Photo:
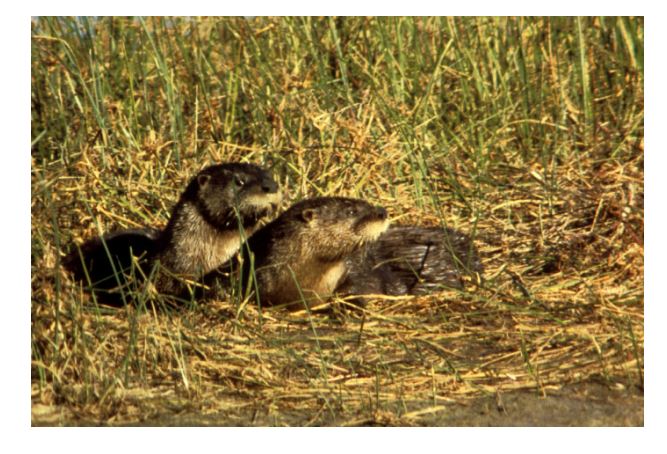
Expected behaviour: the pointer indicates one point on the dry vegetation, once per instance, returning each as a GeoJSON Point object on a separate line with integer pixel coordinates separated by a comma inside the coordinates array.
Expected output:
{"type": "Point", "coordinates": [527, 133]}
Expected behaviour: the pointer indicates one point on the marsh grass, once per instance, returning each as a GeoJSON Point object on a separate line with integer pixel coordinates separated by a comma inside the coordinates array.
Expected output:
{"type": "Point", "coordinates": [525, 132]}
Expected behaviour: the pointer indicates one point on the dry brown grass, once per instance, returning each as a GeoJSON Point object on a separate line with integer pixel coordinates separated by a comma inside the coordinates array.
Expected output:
{"type": "Point", "coordinates": [562, 303]}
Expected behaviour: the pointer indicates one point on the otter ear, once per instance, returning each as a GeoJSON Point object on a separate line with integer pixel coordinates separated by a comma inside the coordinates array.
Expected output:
{"type": "Point", "coordinates": [308, 215]}
{"type": "Point", "coordinates": [203, 180]}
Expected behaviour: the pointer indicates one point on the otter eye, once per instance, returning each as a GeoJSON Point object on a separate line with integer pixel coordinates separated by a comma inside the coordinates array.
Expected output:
{"type": "Point", "coordinates": [238, 181]}
{"type": "Point", "coordinates": [351, 211]}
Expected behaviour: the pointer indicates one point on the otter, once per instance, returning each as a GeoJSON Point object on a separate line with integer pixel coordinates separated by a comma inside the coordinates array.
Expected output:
{"type": "Point", "coordinates": [301, 256]}
{"type": "Point", "coordinates": [220, 207]}
{"type": "Point", "coordinates": [412, 260]}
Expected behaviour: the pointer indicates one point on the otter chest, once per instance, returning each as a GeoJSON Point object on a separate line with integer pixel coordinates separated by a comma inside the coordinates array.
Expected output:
{"type": "Point", "coordinates": [328, 281]}
{"type": "Point", "coordinates": [218, 249]}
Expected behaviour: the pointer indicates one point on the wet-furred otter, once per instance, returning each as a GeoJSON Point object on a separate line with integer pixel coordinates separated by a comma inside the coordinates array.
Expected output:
{"type": "Point", "coordinates": [301, 256]}
{"type": "Point", "coordinates": [412, 260]}
{"type": "Point", "coordinates": [203, 232]}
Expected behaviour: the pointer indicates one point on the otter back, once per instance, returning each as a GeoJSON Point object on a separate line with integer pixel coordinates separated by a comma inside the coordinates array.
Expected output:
{"type": "Point", "coordinates": [412, 260]}
{"type": "Point", "coordinates": [106, 262]}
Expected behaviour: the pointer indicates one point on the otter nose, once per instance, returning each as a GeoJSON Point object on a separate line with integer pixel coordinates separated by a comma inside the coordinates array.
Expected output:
{"type": "Point", "coordinates": [268, 185]}
{"type": "Point", "coordinates": [381, 212]}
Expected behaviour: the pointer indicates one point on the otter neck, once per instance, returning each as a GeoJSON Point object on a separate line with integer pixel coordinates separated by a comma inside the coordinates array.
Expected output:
{"type": "Point", "coordinates": [193, 246]}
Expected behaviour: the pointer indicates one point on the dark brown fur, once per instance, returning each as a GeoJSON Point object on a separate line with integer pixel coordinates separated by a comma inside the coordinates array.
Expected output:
{"type": "Point", "coordinates": [220, 206]}
{"type": "Point", "coordinates": [412, 260]}
{"type": "Point", "coordinates": [301, 255]}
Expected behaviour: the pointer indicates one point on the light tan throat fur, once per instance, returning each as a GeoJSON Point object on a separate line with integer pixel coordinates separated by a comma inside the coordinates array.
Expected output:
{"type": "Point", "coordinates": [330, 279]}
{"type": "Point", "coordinates": [197, 247]}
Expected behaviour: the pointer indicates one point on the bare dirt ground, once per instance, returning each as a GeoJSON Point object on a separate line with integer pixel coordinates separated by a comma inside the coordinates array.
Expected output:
{"type": "Point", "coordinates": [587, 404]}
{"type": "Point", "coordinates": [583, 404]}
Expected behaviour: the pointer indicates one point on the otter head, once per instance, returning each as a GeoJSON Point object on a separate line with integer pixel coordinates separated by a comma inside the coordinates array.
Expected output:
{"type": "Point", "coordinates": [332, 227]}
{"type": "Point", "coordinates": [226, 194]}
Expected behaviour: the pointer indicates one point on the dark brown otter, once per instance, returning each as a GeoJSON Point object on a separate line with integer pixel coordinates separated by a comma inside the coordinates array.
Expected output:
{"type": "Point", "coordinates": [412, 260]}
{"type": "Point", "coordinates": [301, 256]}
{"type": "Point", "coordinates": [221, 206]}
